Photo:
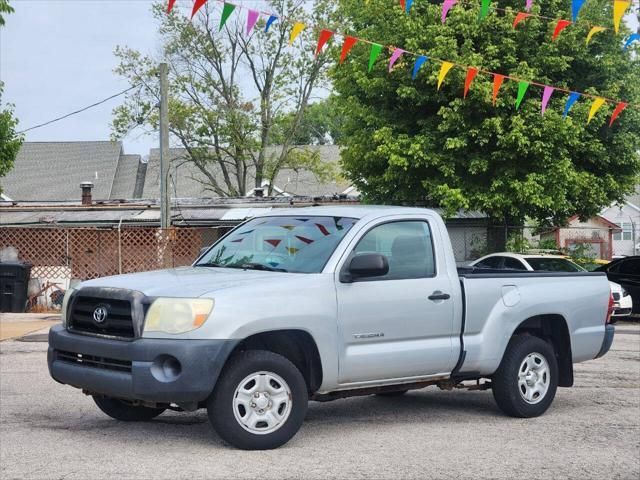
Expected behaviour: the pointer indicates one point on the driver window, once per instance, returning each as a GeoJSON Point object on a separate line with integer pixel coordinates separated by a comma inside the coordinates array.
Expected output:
{"type": "Point", "coordinates": [407, 246]}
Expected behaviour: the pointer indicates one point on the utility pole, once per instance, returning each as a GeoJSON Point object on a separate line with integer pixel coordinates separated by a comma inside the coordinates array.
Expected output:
{"type": "Point", "coordinates": [165, 203]}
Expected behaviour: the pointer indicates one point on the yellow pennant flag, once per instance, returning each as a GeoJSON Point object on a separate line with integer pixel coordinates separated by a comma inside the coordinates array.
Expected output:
{"type": "Point", "coordinates": [444, 69]}
{"type": "Point", "coordinates": [619, 7]}
{"type": "Point", "coordinates": [593, 31]}
{"type": "Point", "coordinates": [297, 28]}
{"type": "Point", "coordinates": [595, 106]}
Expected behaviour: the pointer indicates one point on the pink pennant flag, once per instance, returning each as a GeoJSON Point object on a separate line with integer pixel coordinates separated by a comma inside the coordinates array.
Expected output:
{"type": "Point", "coordinates": [252, 18]}
{"type": "Point", "coordinates": [397, 53]}
{"type": "Point", "coordinates": [528, 5]}
{"type": "Point", "coordinates": [446, 6]}
{"type": "Point", "coordinates": [546, 95]}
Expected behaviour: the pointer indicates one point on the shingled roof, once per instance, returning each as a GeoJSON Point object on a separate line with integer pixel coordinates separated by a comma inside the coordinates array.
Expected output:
{"type": "Point", "coordinates": [49, 171]}
{"type": "Point", "coordinates": [188, 181]}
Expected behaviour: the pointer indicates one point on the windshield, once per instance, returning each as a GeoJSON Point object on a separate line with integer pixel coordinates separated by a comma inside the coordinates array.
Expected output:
{"type": "Point", "coordinates": [553, 264]}
{"type": "Point", "coordinates": [284, 244]}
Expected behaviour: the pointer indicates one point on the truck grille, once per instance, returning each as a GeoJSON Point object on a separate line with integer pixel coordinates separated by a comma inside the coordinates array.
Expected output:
{"type": "Point", "coordinates": [93, 361]}
{"type": "Point", "coordinates": [117, 313]}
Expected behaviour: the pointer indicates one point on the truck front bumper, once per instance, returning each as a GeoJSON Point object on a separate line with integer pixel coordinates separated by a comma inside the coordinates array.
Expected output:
{"type": "Point", "coordinates": [145, 369]}
{"type": "Point", "coordinates": [609, 332]}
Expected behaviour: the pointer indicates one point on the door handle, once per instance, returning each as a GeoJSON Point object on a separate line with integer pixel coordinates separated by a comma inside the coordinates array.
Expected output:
{"type": "Point", "coordinates": [439, 296]}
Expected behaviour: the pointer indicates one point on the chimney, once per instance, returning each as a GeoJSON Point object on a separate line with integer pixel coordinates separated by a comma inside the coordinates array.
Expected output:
{"type": "Point", "coordinates": [86, 192]}
{"type": "Point", "coordinates": [258, 192]}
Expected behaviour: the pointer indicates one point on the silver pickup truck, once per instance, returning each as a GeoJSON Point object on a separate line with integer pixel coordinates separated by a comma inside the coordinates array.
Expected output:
{"type": "Point", "coordinates": [322, 303]}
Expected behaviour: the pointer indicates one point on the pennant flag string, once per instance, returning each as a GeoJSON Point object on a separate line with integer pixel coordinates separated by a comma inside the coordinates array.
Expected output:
{"type": "Point", "coordinates": [376, 49]}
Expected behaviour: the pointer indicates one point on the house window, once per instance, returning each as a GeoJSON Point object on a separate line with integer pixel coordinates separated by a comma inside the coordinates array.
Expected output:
{"type": "Point", "coordinates": [626, 233]}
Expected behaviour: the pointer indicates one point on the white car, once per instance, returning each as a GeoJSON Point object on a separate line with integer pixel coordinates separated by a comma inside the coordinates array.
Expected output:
{"type": "Point", "coordinates": [554, 263]}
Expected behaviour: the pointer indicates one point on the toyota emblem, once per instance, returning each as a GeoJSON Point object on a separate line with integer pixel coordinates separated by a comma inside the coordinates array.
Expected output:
{"type": "Point", "coordinates": [100, 314]}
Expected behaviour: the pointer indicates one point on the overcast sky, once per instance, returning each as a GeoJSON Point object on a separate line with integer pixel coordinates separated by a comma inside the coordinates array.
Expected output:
{"type": "Point", "coordinates": [56, 56]}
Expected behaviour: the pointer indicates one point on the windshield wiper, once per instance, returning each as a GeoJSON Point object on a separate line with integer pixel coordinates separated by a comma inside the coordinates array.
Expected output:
{"type": "Point", "coordinates": [212, 264]}
{"type": "Point", "coordinates": [261, 266]}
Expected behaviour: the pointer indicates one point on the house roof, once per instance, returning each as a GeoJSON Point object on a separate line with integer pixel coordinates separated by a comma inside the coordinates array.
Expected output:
{"type": "Point", "coordinates": [54, 170]}
{"type": "Point", "coordinates": [600, 219]}
{"type": "Point", "coordinates": [124, 181]}
{"type": "Point", "coordinates": [188, 181]}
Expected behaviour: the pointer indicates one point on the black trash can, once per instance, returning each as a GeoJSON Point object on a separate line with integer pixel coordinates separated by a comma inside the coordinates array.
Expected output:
{"type": "Point", "coordinates": [14, 280]}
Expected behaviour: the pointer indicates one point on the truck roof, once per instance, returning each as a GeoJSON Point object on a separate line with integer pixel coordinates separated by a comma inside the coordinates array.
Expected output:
{"type": "Point", "coordinates": [352, 211]}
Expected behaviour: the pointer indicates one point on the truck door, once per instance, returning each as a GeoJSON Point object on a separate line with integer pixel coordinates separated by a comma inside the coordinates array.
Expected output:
{"type": "Point", "coordinates": [399, 325]}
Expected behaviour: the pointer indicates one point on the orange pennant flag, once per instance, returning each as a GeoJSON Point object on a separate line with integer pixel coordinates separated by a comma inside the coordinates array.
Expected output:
{"type": "Point", "coordinates": [348, 44]}
{"type": "Point", "coordinates": [621, 106]}
{"type": "Point", "coordinates": [471, 74]}
{"type": "Point", "coordinates": [497, 83]}
{"type": "Point", "coordinates": [519, 18]}
{"type": "Point", "coordinates": [561, 25]}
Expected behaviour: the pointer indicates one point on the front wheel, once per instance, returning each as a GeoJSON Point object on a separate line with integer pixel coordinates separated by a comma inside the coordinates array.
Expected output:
{"type": "Point", "coordinates": [259, 402]}
{"type": "Point", "coordinates": [126, 412]}
{"type": "Point", "coordinates": [526, 381]}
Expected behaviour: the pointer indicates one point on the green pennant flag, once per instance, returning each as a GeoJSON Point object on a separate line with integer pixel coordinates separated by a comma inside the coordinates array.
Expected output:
{"type": "Point", "coordinates": [227, 10]}
{"type": "Point", "coordinates": [375, 51]}
{"type": "Point", "coordinates": [484, 8]}
{"type": "Point", "coordinates": [522, 89]}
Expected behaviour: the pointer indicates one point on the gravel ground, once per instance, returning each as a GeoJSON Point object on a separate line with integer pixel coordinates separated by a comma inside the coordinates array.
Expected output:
{"type": "Point", "coordinates": [591, 431]}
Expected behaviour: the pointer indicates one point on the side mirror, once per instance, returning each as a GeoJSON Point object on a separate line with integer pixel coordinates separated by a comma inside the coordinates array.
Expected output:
{"type": "Point", "coordinates": [366, 265]}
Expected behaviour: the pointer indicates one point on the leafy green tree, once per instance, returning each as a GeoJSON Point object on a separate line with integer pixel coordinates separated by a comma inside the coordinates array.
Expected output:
{"type": "Point", "coordinates": [229, 92]}
{"type": "Point", "coordinates": [10, 140]}
{"type": "Point", "coordinates": [321, 124]}
{"type": "Point", "coordinates": [4, 8]}
{"type": "Point", "coordinates": [404, 141]}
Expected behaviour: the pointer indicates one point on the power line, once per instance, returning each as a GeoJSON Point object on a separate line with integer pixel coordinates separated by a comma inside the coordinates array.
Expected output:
{"type": "Point", "coordinates": [78, 111]}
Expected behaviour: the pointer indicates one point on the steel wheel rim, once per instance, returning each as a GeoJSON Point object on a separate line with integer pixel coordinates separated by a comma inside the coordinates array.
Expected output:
{"type": "Point", "coordinates": [262, 403]}
{"type": "Point", "coordinates": [534, 377]}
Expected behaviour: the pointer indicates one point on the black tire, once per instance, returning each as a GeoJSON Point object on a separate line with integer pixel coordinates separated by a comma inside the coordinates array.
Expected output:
{"type": "Point", "coordinates": [221, 406]}
{"type": "Point", "coordinates": [507, 391]}
{"type": "Point", "coordinates": [397, 393]}
{"type": "Point", "coordinates": [121, 410]}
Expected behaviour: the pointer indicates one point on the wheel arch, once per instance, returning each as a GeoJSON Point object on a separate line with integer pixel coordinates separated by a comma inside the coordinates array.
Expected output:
{"type": "Point", "coordinates": [298, 346]}
{"type": "Point", "coordinates": [552, 328]}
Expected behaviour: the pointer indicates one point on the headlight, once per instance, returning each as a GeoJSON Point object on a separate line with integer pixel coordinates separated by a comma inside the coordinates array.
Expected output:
{"type": "Point", "coordinates": [177, 315]}
{"type": "Point", "coordinates": [65, 305]}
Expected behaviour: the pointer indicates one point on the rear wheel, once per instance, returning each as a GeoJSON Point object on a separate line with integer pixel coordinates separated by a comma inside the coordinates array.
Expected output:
{"type": "Point", "coordinates": [126, 412]}
{"type": "Point", "coordinates": [259, 402]}
{"type": "Point", "coordinates": [526, 381]}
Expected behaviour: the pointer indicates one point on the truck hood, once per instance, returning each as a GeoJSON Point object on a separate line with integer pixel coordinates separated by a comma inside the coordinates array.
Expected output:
{"type": "Point", "coordinates": [188, 282]}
